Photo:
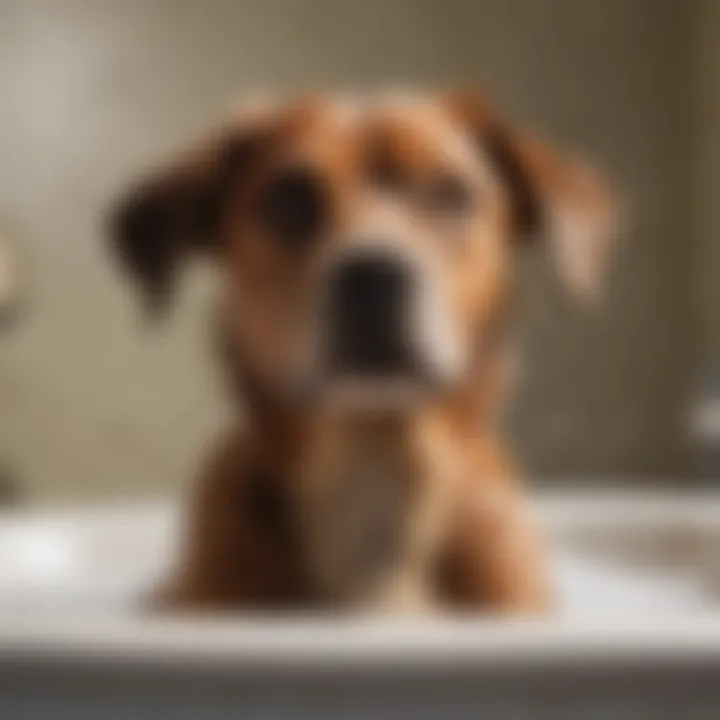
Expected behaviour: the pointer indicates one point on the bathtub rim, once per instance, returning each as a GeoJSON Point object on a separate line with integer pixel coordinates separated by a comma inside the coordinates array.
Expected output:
{"type": "Point", "coordinates": [251, 641]}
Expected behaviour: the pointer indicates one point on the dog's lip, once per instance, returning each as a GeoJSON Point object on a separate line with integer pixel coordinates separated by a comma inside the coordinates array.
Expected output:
{"type": "Point", "coordinates": [327, 384]}
{"type": "Point", "coordinates": [362, 393]}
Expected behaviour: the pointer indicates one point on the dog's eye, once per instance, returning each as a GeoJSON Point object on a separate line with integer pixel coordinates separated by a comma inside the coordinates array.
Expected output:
{"type": "Point", "coordinates": [293, 205]}
{"type": "Point", "coordinates": [448, 194]}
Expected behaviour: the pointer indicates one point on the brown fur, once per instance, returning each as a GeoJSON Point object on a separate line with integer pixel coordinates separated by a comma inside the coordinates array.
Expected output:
{"type": "Point", "coordinates": [284, 516]}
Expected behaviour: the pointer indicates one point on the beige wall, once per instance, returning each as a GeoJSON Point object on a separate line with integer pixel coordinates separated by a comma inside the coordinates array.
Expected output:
{"type": "Point", "coordinates": [90, 90]}
{"type": "Point", "coordinates": [708, 186]}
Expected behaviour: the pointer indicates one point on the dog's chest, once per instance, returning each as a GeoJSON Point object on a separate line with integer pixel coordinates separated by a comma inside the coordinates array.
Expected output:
{"type": "Point", "coordinates": [360, 505]}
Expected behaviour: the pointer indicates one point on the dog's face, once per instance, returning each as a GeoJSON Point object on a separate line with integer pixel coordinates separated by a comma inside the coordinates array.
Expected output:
{"type": "Point", "coordinates": [366, 244]}
{"type": "Point", "coordinates": [366, 252]}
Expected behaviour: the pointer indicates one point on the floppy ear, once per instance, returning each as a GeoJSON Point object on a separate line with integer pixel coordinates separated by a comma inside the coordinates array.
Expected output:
{"type": "Point", "coordinates": [552, 195]}
{"type": "Point", "coordinates": [176, 211]}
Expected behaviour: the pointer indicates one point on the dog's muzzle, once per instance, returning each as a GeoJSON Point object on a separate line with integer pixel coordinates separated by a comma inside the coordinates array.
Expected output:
{"type": "Point", "coordinates": [386, 335]}
{"type": "Point", "coordinates": [369, 305]}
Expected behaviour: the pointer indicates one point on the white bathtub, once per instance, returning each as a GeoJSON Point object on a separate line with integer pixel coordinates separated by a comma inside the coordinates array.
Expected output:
{"type": "Point", "coordinates": [637, 629]}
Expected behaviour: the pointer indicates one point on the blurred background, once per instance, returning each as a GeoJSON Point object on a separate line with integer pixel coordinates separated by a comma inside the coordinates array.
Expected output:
{"type": "Point", "coordinates": [91, 91]}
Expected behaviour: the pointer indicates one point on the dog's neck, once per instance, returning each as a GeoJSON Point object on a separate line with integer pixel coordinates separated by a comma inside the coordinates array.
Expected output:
{"type": "Point", "coordinates": [463, 417]}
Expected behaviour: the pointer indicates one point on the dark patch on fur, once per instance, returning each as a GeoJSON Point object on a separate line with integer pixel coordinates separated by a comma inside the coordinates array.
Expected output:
{"type": "Point", "coordinates": [269, 505]}
{"type": "Point", "coordinates": [527, 206]}
{"type": "Point", "coordinates": [178, 212]}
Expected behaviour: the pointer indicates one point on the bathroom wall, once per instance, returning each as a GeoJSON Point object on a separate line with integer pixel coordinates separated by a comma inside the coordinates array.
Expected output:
{"type": "Point", "coordinates": [92, 403]}
{"type": "Point", "coordinates": [708, 184]}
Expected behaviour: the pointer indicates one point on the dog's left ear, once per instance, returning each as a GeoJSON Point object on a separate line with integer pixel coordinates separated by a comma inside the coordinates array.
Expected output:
{"type": "Point", "coordinates": [552, 195]}
{"type": "Point", "coordinates": [176, 212]}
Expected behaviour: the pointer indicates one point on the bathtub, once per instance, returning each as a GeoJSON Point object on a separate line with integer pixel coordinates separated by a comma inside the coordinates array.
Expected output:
{"type": "Point", "coordinates": [636, 633]}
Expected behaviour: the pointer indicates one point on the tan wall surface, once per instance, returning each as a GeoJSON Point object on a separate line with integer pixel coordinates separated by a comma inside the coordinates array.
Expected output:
{"type": "Point", "coordinates": [91, 90]}
{"type": "Point", "coordinates": [708, 186]}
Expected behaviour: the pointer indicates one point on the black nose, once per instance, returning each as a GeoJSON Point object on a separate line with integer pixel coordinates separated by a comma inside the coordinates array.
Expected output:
{"type": "Point", "coordinates": [369, 297]}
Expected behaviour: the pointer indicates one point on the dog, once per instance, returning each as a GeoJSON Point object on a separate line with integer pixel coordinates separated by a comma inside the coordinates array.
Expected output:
{"type": "Point", "coordinates": [365, 246]}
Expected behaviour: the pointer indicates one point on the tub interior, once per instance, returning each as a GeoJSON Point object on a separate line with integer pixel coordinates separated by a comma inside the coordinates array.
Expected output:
{"type": "Point", "coordinates": [609, 556]}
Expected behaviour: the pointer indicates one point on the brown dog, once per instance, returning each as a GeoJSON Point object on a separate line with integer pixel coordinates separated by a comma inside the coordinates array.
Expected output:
{"type": "Point", "coordinates": [366, 251]}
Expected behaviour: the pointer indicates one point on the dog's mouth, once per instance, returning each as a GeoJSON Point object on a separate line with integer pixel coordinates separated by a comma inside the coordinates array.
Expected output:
{"type": "Point", "coordinates": [383, 342]}
{"type": "Point", "coordinates": [369, 381]}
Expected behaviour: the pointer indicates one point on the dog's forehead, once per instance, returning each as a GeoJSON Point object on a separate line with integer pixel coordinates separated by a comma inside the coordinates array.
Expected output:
{"type": "Point", "coordinates": [420, 123]}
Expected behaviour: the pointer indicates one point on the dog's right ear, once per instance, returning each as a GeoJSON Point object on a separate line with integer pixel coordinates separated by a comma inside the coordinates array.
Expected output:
{"type": "Point", "coordinates": [552, 195]}
{"type": "Point", "coordinates": [176, 212]}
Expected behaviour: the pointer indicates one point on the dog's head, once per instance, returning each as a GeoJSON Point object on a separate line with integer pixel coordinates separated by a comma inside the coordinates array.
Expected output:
{"type": "Point", "coordinates": [365, 243]}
